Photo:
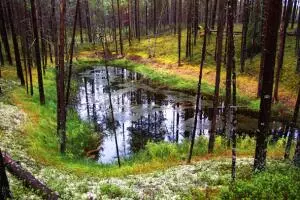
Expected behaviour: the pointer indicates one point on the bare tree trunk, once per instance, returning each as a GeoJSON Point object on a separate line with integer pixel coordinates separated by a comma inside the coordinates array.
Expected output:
{"type": "Point", "coordinates": [15, 43]}
{"type": "Point", "coordinates": [88, 21]}
{"type": "Point", "coordinates": [37, 52]}
{"type": "Point", "coordinates": [229, 58]}
{"type": "Point", "coordinates": [80, 25]}
{"type": "Point", "coordinates": [1, 57]}
{"type": "Point", "coordinates": [129, 23]}
{"type": "Point", "coordinates": [199, 83]}
{"type": "Point", "coordinates": [4, 184]}
{"type": "Point", "coordinates": [261, 68]}
{"type": "Point", "coordinates": [61, 83]}
{"type": "Point", "coordinates": [72, 52]}
{"type": "Point", "coordinates": [272, 21]}
{"type": "Point", "coordinates": [231, 71]}
{"type": "Point", "coordinates": [120, 28]}
{"type": "Point", "coordinates": [294, 13]}
{"type": "Point", "coordinates": [244, 34]}
{"type": "Point", "coordinates": [16, 169]}
{"type": "Point", "coordinates": [137, 19]}
{"type": "Point", "coordinates": [214, 11]}
{"type": "Point", "coordinates": [219, 47]}
{"type": "Point", "coordinates": [4, 34]}
{"type": "Point", "coordinates": [154, 17]}
{"type": "Point", "coordinates": [179, 31]}
{"type": "Point", "coordinates": [27, 40]}
{"type": "Point", "coordinates": [196, 21]}
{"type": "Point", "coordinates": [41, 28]}
{"type": "Point", "coordinates": [114, 26]}
{"type": "Point", "coordinates": [283, 30]}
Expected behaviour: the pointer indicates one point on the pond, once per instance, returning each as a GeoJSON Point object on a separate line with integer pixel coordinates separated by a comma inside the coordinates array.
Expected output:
{"type": "Point", "coordinates": [140, 112]}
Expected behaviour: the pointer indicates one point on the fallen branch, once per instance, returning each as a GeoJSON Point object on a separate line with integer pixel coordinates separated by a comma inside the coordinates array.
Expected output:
{"type": "Point", "coordinates": [29, 180]}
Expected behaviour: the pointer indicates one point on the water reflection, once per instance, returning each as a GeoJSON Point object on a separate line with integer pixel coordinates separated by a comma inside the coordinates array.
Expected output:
{"type": "Point", "coordinates": [141, 113]}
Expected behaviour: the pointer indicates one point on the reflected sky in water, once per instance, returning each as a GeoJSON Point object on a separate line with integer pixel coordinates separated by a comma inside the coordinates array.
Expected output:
{"type": "Point", "coordinates": [142, 113]}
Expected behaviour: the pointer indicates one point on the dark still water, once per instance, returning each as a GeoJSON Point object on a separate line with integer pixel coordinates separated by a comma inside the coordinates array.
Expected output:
{"type": "Point", "coordinates": [141, 113]}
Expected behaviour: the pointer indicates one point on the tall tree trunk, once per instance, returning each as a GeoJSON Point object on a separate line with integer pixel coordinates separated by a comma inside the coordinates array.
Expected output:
{"type": "Point", "coordinates": [179, 31]}
{"type": "Point", "coordinates": [114, 26]}
{"type": "Point", "coordinates": [137, 19]}
{"type": "Point", "coordinates": [15, 43]}
{"type": "Point", "coordinates": [88, 21]}
{"type": "Point", "coordinates": [37, 52]}
{"type": "Point", "coordinates": [27, 41]}
{"type": "Point", "coordinates": [272, 21]}
{"type": "Point", "coordinates": [154, 17]}
{"type": "Point", "coordinates": [199, 83]}
{"type": "Point", "coordinates": [129, 23]}
{"type": "Point", "coordinates": [175, 16]}
{"type": "Point", "coordinates": [1, 57]}
{"type": "Point", "coordinates": [229, 58]}
{"type": "Point", "coordinates": [231, 71]}
{"type": "Point", "coordinates": [219, 48]}
{"type": "Point", "coordinates": [72, 52]}
{"type": "Point", "coordinates": [294, 13]}
{"type": "Point", "coordinates": [4, 36]}
{"type": "Point", "coordinates": [244, 34]}
{"type": "Point", "coordinates": [188, 52]}
{"type": "Point", "coordinates": [80, 25]}
{"type": "Point", "coordinates": [42, 35]}
{"type": "Point", "coordinates": [261, 68]}
{"type": "Point", "coordinates": [196, 21]}
{"type": "Point", "coordinates": [61, 82]}
{"type": "Point", "coordinates": [213, 16]}
{"type": "Point", "coordinates": [120, 28]}
{"type": "Point", "coordinates": [283, 30]}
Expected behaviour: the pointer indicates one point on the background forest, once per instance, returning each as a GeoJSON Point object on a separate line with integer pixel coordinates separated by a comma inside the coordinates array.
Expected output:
{"type": "Point", "coordinates": [63, 63]}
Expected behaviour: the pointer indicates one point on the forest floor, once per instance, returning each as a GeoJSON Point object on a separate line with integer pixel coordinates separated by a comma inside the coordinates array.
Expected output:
{"type": "Point", "coordinates": [206, 177]}
{"type": "Point", "coordinates": [173, 183]}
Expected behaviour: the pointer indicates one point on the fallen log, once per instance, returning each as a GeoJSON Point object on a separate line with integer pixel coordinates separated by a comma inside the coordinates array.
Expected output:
{"type": "Point", "coordinates": [29, 180]}
{"type": "Point", "coordinates": [4, 185]}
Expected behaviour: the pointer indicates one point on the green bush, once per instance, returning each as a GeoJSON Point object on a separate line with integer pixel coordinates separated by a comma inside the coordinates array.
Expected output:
{"type": "Point", "coordinates": [280, 183]}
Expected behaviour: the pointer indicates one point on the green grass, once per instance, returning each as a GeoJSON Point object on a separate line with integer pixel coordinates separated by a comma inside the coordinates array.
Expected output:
{"type": "Point", "coordinates": [43, 143]}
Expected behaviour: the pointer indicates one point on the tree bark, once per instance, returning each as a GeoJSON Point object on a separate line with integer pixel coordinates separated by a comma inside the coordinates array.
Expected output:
{"type": "Point", "coordinates": [1, 57]}
{"type": "Point", "coordinates": [37, 52]}
{"type": "Point", "coordinates": [29, 180]}
{"type": "Point", "coordinates": [244, 34]}
{"type": "Point", "coordinates": [61, 82]}
{"type": "Point", "coordinates": [4, 184]}
{"type": "Point", "coordinates": [199, 83]}
{"type": "Point", "coordinates": [4, 34]}
{"type": "Point", "coordinates": [120, 28]}
{"type": "Point", "coordinates": [179, 31]}
{"type": "Point", "coordinates": [285, 23]}
{"type": "Point", "coordinates": [80, 25]}
{"type": "Point", "coordinates": [72, 52]}
{"type": "Point", "coordinates": [294, 13]}
{"type": "Point", "coordinates": [219, 47]}
{"type": "Point", "coordinates": [88, 21]}
{"type": "Point", "coordinates": [272, 21]}
{"type": "Point", "coordinates": [231, 71]}
{"type": "Point", "coordinates": [114, 26]}
{"type": "Point", "coordinates": [214, 11]}
{"type": "Point", "coordinates": [15, 43]}
{"type": "Point", "coordinates": [28, 38]}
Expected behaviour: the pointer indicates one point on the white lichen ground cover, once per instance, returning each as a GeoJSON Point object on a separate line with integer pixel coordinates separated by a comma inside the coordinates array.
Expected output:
{"type": "Point", "coordinates": [172, 183]}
